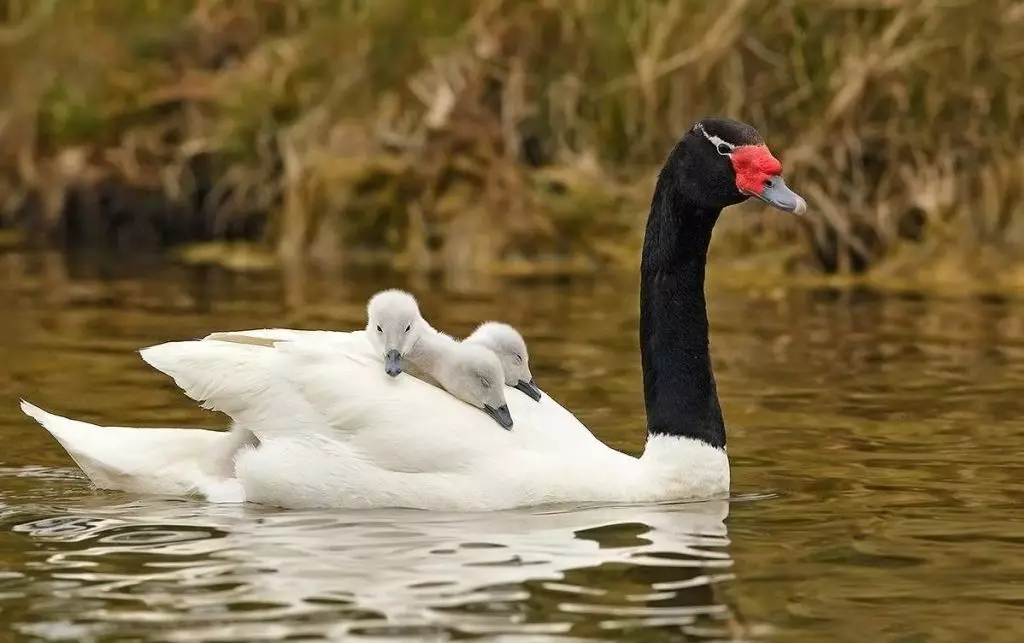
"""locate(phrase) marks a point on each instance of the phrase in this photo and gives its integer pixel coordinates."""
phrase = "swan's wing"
(232, 371)
(238, 379)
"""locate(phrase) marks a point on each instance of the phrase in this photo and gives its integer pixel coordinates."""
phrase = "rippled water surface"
(876, 445)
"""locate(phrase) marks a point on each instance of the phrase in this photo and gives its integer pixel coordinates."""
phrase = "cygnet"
(470, 372)
(510, 347)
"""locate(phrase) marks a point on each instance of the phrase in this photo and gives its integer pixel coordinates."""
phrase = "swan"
(333, 430)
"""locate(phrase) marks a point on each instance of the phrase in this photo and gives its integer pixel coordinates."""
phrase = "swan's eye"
(724, 149)
(379, 329)
(408, 328)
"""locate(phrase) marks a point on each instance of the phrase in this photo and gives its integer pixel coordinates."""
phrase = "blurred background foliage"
(511, 136)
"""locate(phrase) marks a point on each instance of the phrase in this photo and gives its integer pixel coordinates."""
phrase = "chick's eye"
(519, 359)
(724, 149)
(408, 328)
(484, 383)
(379, 329)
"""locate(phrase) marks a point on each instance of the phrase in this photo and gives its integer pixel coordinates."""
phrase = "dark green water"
(875, 444)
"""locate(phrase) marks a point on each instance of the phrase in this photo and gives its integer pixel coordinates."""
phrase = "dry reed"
(509, 135)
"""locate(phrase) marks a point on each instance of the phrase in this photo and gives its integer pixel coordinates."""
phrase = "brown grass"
(507, 135)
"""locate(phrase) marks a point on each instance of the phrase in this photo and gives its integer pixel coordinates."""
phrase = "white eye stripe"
(717, 141)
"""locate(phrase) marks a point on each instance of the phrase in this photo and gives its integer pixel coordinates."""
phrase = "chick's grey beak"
(392, 363)
(500, 415)
(530, 388)
(778, 195)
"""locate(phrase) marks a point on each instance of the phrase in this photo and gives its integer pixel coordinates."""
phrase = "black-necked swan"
(335, 431)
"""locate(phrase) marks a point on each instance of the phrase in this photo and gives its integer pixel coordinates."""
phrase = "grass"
(500, 135)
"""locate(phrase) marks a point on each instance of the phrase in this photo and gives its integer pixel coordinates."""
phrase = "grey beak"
(500, 415)
(392, 363)
(530, 388)
(778, 195)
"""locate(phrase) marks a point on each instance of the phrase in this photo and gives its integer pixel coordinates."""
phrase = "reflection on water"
(874, 442)
(242, 573)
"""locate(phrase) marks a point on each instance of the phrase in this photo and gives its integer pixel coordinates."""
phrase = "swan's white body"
(333, 430)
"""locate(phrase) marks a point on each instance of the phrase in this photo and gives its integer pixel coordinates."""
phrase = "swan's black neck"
(679, 385)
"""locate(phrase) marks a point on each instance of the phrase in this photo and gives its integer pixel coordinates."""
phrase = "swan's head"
(722, 162)
(393, 324)
(510, 348)
(473, 374)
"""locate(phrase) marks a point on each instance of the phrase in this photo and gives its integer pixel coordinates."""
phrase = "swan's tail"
(153, 461)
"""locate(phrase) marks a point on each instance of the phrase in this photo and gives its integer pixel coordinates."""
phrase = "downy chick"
(510, 348)
(394, 326)
(470, 373)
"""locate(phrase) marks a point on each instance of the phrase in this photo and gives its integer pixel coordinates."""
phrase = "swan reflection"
(246, 573)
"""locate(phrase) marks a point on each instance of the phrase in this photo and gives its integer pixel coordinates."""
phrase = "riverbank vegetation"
(511, 136)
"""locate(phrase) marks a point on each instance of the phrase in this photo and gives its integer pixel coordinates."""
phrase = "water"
(875, 443)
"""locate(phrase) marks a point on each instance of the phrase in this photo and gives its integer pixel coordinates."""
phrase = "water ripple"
(378, 574)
